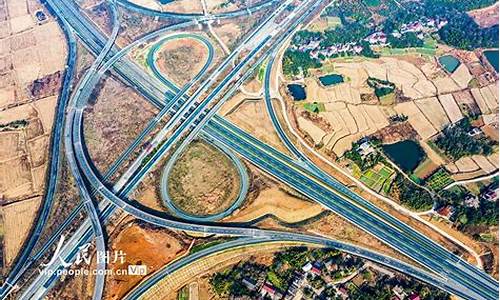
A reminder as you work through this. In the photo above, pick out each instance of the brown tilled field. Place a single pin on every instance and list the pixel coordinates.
(17, 218)
(32, 57)
(251, 116)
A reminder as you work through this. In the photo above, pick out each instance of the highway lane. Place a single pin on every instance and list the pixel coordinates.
(173, 224)
(272, 114)
(312, 167)
(187, 104)
(107, 212)
(160, 221)
(217, 229)
(76, 115)
(119, 55)
(83, 90)
(302, 157)
(162, 146)
(176, 101)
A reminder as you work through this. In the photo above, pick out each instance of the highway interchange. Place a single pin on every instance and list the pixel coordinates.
(189, 117)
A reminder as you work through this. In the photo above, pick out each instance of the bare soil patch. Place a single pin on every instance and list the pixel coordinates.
(143, 245)
(485, 17)
(275, 201)
(251, 116)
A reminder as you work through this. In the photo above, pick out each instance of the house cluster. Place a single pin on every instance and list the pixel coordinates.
(319, 52)
(365, 149)
(420, 28)
(301, 280)
(339, 278)
(400, 294)
(377, 38)
(426, 25)
(473, 201)
(490, 194)
(446, 211)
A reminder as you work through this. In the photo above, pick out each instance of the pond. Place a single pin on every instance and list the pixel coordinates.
(406, 154)
(298, 91)
(165, 1)
(492, 57)
(331, 79)
(449, 62)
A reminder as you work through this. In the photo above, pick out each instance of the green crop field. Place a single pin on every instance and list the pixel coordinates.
(377, 178)
(439, 180)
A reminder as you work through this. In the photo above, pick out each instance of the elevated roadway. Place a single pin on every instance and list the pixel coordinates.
(228, 135)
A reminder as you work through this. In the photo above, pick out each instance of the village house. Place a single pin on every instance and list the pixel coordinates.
(471, 201)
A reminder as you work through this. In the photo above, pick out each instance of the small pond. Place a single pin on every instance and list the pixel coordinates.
(449, 62)
(492, 57)
(406, 154)
(298, 91)
(331, 79)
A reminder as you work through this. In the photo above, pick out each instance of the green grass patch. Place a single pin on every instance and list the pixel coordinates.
(262, 71)
(314, 107)
(275, 280)
(327, 67)
(430, 43)
(487, 237)
(426, 51)
(429, 50)
(325, 23)
(207, 244)
(183, 293)
(424, 168)
(386, 188)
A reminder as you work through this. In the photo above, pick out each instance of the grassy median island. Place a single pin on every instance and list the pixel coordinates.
(204, 181)
(181, 59)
